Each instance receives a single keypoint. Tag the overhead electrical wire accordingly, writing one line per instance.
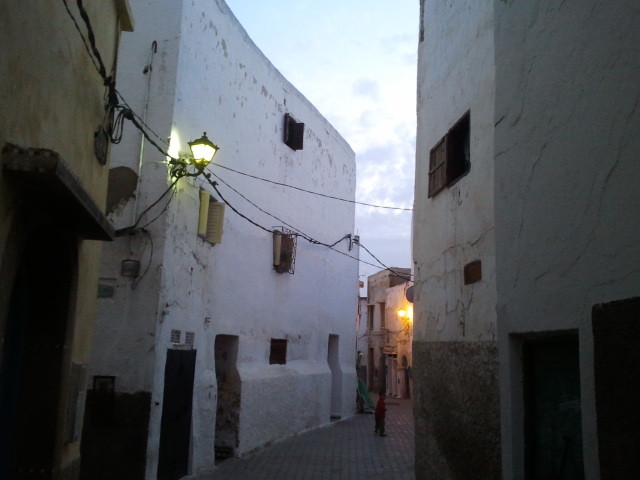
(309, 239)
(310, 191)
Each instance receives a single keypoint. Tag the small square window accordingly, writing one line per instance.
(211, 218)
(278, 354)
(450, 159)
(293, 133)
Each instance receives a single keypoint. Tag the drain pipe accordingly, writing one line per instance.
(148, 71)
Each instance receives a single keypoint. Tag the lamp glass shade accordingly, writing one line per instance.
(203, 150)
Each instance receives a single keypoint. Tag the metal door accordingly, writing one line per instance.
(553, 420)
(175, 428)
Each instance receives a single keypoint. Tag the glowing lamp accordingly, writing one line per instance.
(203, 151)
(406, 314)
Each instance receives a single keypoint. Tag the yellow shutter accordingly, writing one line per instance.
(204, 213)
(215, 221)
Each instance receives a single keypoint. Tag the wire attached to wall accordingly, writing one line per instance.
(126, 112)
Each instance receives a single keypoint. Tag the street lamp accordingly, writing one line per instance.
(203, 151)
(406, 315)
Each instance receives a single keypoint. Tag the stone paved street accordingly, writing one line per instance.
(344, 450)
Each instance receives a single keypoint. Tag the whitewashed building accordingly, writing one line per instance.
(204, 329)
(455, 352)
(399, 326)
(388, 336)
(527, 240)
(361, 338)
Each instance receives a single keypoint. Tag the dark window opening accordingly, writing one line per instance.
(383, 314)
(472, 272)
(278, 354)
(450, 159)
(370, 309)
(293, 133)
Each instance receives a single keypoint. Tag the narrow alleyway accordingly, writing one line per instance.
(344, 450)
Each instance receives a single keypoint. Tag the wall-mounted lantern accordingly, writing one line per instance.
(203, 151)
(406, 314)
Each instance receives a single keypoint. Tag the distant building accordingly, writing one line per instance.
(361, 338)
(53, 183)
(527, 241)
(388, 336)
(216, 336)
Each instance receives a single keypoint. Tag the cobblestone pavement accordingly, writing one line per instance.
(344, 450)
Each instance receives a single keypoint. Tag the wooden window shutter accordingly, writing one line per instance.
(211, 218)
(204, 213)
(438, 167)
(215, 221)
(293, 133)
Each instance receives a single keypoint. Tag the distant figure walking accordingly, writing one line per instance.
(381, 408)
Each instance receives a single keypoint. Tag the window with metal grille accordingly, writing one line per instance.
(284, 251)
(211, 218)
(175, 336)
(293, 133)
(450, 159)
(278, 353)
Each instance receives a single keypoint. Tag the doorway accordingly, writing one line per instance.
(333, 359)
(228, 398)
(33, 357)
(177, 404)
(553, 419)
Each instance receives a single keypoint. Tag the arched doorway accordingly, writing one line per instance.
(33, 356)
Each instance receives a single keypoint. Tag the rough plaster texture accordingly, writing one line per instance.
(455, 366)
(456, 226)
(400, 336)
(208, 76)
(53, 98)
(456, 382)
(566, 200)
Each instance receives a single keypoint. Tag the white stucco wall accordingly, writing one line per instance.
(400, 334)
(211, 77)
(361, 329)
(566, 198)
(456, 226)
(455, 374)
(124, 338)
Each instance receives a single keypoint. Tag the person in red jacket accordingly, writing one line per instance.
(381, 408)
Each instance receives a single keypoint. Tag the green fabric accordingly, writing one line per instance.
(364, 394)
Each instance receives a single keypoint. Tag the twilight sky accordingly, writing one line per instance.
(355, 60)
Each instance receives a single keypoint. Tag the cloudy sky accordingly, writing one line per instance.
(355, 60)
